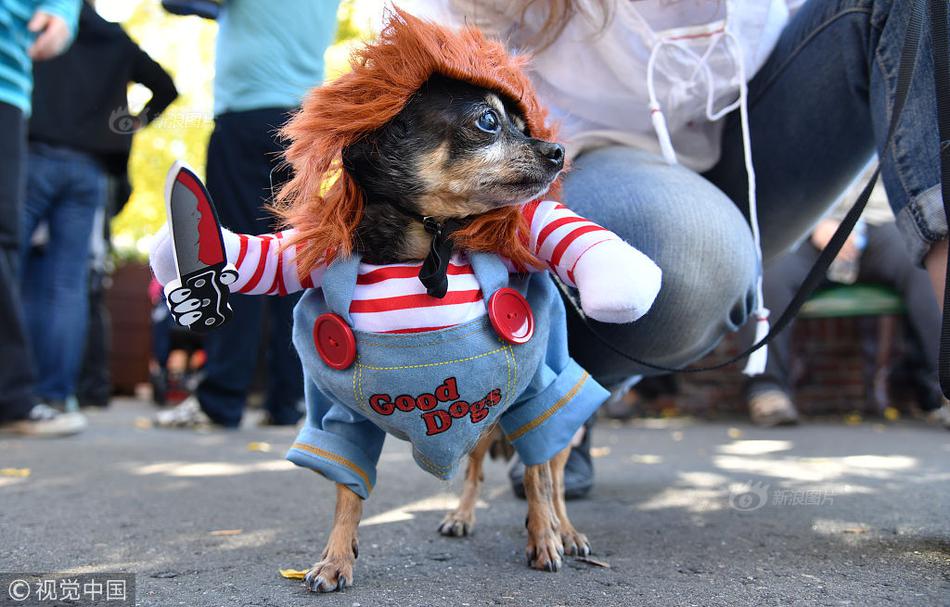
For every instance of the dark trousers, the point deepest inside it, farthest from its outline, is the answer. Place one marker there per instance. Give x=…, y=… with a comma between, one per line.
x=16, y=373
x=243, y=165
x=885, y=261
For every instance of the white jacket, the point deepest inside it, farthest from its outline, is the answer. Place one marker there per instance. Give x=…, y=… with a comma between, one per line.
x=597, y=84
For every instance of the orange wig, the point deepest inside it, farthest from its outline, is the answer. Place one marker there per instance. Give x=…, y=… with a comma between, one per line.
x=384, y=76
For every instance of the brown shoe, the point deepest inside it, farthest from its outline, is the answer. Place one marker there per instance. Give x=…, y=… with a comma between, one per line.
x=772, y=408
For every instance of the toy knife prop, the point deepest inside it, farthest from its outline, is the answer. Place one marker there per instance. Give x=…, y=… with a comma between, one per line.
x=198, y=298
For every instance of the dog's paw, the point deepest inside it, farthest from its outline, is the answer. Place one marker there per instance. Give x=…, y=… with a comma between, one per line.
x=544, y=551
x=575, y=543
x=332, y=574
x=457, y=524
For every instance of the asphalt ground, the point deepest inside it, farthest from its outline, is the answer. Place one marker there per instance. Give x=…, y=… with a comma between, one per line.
x=684, y=512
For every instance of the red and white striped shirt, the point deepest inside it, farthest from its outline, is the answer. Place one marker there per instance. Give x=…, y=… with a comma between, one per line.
x=390, y=298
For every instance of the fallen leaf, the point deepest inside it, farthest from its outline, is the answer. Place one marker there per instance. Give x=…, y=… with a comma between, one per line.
x=293, y=574
x=879, y=427
x=855, y=530
x=592, y=561
x=891, y=414
x=734, y=433
x=853, y=419
x=677, y=436
x=260, y=447
x=669, y=412
x=143, y=423
x=221, y=532
x=17, y=472
x=600, y=451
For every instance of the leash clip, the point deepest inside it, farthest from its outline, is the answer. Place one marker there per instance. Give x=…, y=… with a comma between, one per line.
x=432, y=225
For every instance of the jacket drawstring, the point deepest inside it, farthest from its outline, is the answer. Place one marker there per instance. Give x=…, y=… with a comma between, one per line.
x=758, y=359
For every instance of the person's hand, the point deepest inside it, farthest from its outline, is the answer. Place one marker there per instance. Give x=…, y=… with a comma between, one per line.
x=53, y=35
x=822, y=234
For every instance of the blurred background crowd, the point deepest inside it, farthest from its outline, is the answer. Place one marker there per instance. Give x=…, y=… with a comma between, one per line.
x=146, y=83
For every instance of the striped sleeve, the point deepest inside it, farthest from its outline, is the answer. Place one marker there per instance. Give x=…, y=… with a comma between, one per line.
x=559, y=237
x=265, y=266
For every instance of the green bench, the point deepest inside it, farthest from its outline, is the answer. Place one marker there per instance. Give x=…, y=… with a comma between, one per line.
x=841, y=301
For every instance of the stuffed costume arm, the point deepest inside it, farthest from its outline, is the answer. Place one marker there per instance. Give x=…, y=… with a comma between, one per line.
x=263, y=268
x=617, y=283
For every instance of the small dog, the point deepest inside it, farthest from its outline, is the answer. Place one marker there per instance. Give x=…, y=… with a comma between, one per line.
x=456, y=150
x=435, y=148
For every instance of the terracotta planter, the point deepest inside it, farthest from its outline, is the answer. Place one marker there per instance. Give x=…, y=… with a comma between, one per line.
x=130, y=309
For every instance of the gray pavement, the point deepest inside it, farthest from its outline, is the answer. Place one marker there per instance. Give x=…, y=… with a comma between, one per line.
x=684, y=512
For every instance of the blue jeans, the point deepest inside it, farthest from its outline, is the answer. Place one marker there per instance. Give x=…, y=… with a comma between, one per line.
x=819, y=109
x=65, y=188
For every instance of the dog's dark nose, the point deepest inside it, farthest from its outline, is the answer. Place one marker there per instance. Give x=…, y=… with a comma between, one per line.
x=553, y=152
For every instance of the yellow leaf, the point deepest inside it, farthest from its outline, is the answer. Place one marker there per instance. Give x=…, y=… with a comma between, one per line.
x=891, y=414
x=260, y=447
x=600, y=451
x=221, y=532
x=17, y=472
x=293, y=574
x=853, y=419
x=734, y=433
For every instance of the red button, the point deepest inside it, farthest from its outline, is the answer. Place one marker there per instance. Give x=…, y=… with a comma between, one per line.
x=510, y=315
x=334, y=340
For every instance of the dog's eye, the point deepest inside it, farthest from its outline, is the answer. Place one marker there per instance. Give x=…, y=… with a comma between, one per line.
x=488, y=122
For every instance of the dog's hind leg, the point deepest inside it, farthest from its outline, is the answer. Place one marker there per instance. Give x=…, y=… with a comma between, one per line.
x=335, y=569
x=544, y=549
x=575, y=543
x=461, y=521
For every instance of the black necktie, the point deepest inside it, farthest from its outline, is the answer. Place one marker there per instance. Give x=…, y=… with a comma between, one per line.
x=436, y=264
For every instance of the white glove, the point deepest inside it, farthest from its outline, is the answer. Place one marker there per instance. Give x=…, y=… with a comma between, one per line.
x=162, y=258
x=617, y=283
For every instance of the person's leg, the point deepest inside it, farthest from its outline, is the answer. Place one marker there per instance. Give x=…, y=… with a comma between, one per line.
x=816, y=121
x=780, y=281
x=284, y=372
x=60, y=302
x=885, y=260
x=700, y=241
x=16, y=372
x=241, y=155
x=232, y=353
x=692, y=231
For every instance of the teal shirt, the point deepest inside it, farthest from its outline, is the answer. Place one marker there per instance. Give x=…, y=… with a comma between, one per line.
x=16, y=68
x=269, y=54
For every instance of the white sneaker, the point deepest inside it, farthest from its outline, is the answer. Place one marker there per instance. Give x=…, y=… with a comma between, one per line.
x=46, y=422
x=186, y=414
x=940, y=416
x=772, y=408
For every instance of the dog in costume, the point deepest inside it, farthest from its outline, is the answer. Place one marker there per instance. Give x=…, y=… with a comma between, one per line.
x=423, y=222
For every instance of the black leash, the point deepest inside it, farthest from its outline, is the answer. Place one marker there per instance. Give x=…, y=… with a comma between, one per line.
x=819, y=271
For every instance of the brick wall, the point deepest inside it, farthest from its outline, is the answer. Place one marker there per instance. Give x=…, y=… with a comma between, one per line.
x=832, y=365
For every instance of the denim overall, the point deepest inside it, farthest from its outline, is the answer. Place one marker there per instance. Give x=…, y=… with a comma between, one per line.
x=441, y=389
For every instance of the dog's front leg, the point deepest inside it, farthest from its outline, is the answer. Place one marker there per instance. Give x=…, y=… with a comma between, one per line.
x=461, y=521
x=335, y=569
x=544, y=549
x=575, y=543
